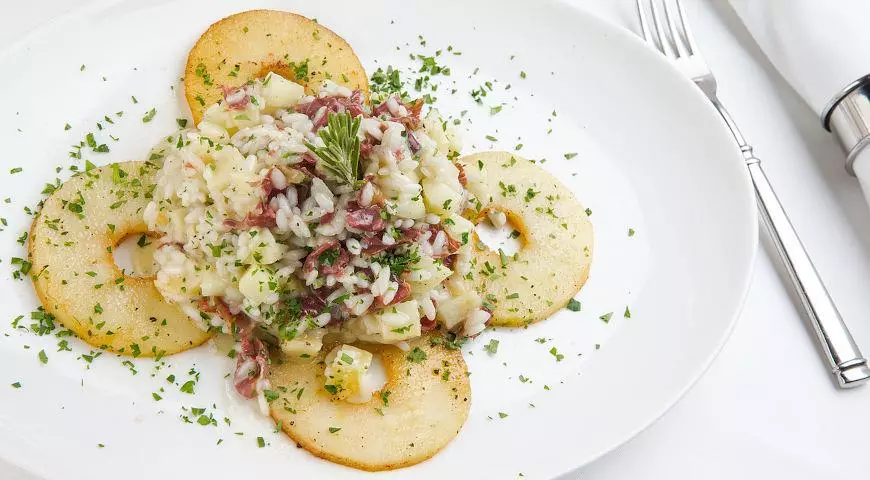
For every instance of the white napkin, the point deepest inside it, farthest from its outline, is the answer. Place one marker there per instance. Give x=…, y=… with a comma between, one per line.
x=819, y=46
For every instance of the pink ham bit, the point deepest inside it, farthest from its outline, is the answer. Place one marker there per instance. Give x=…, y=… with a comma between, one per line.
x=383, y=109
x=327, y=217
x=375, y=245
x=267, y=185
x=338, y=265
x=315, y=303
x=217, y=306
x=252, y=363
x=411, y=121
x=366, y=219
x=402, y=293
x=352, y=105
x=308, y=166
x=312, y=305
x=366, y=146
x=427, y=325
x=414, y=234
x=309, y=160
x=262, y=216
x=236, y=98
x=413, y=144
x=312, y=261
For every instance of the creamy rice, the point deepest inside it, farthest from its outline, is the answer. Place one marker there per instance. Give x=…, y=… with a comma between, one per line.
x=253, y=225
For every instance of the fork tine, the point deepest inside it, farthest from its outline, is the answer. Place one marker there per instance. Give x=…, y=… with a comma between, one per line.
x=664, y=43
x=670, y=16
x=644, y=24
x=693, y=46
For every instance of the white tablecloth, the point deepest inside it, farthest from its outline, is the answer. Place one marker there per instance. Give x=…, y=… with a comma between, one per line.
x=767, y=407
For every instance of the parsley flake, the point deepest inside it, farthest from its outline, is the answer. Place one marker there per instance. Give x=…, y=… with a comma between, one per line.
x=573, y=305
x=417, y=355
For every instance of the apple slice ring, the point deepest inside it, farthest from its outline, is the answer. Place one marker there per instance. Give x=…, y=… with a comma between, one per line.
x=248, y=45
x=419, y=410
x=74, y=271
x=557, y=239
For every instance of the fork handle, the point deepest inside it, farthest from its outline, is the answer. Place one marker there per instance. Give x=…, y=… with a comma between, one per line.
x=844, y=357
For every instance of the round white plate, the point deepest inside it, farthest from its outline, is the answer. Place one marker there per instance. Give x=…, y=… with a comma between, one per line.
x=652, y=156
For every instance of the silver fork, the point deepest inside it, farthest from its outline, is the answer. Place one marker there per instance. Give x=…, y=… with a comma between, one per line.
x=669, y=33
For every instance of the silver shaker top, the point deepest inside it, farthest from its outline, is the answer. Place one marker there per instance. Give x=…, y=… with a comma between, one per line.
x=847, y=116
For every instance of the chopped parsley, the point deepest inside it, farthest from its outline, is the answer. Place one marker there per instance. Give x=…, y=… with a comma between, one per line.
x=606, y=317
x=491, y=347
x=573, y=305
x=569, y=156
x=627, y=313
x=188, y=386
x=399, y=263
x=400, y=330
x=149, y=115
x=270, y=395
x=417, y=355
x=328, y=257
x=555, y=352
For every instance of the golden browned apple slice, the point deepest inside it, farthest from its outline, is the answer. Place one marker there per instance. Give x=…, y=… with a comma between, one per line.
x=248, y=45
x=75, y=275
x=556, y=235
x=419, y=410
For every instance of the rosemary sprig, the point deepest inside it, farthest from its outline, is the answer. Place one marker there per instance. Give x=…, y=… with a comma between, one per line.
x=340, y=156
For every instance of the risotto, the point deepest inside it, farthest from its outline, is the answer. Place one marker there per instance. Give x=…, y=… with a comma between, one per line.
x=286, y=216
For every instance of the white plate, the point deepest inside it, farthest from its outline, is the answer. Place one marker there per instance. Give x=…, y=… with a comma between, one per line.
x=652, y=156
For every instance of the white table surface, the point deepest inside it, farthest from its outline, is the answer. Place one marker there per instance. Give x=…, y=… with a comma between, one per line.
x=766, y=408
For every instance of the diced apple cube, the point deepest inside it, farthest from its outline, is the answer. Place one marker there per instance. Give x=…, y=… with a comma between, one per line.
x=440, y=198
x=280, y=92
x=305, y=346
x=259, y=285
x=427, y=274
x=455, y=309
x=345, y=367
x=400, y=321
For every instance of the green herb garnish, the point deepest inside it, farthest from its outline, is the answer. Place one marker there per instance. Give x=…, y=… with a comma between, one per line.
x=340, y=156
x=417, y=355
